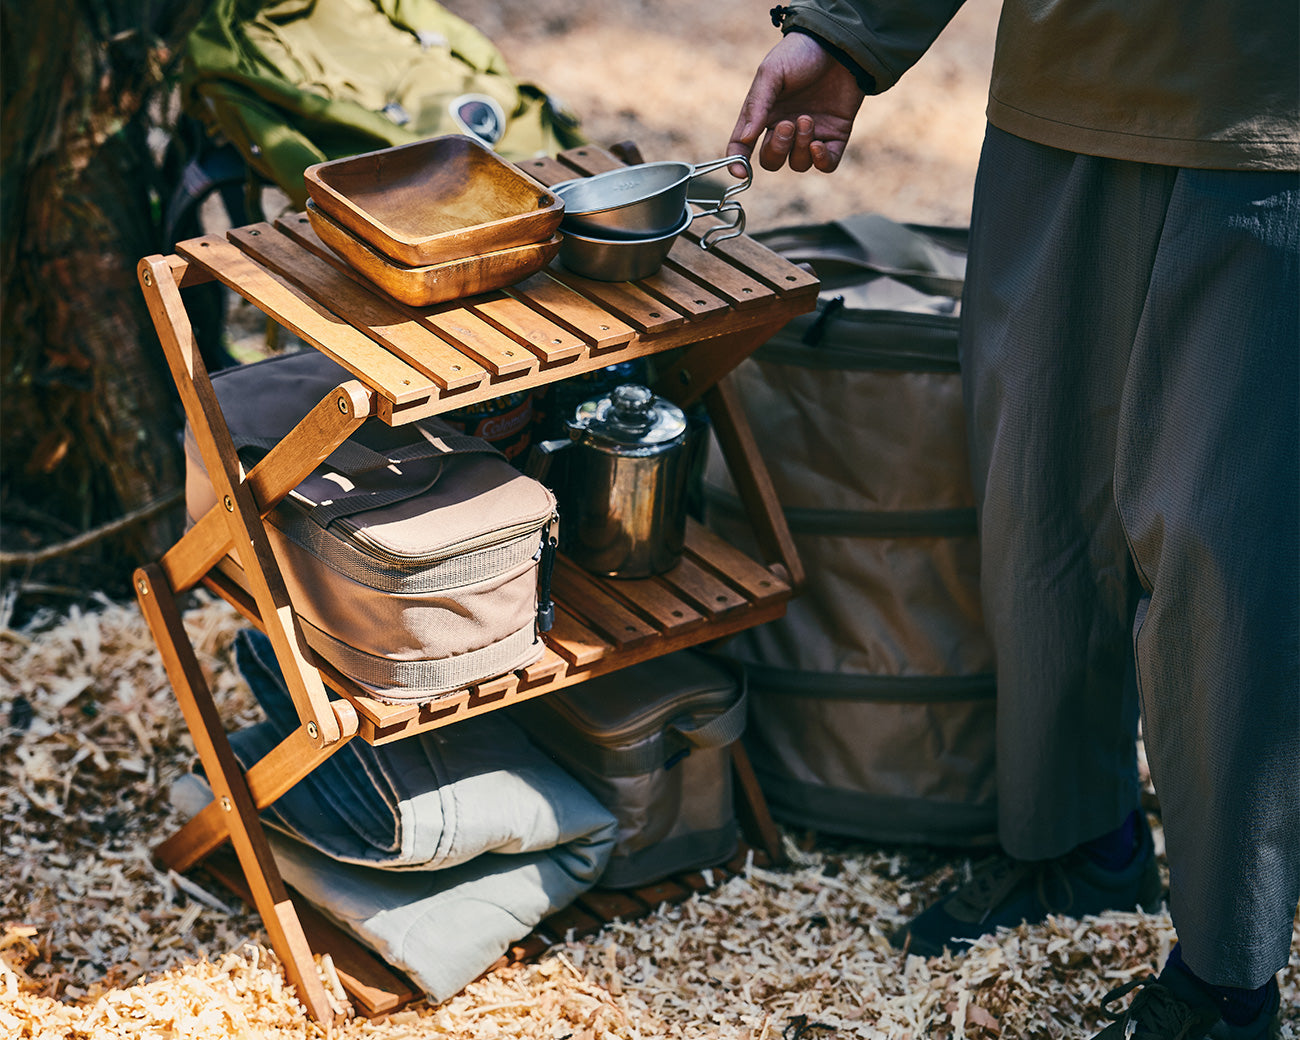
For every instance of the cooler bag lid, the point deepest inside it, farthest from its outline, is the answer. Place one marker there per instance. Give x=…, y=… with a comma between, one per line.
x=632, y=721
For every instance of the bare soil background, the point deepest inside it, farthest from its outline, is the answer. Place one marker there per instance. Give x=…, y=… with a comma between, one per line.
x=671, y=75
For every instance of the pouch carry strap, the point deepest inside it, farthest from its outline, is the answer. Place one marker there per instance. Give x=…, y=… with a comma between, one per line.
x=353, y=461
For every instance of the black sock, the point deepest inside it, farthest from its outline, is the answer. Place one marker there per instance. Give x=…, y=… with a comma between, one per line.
x=1115, y=849
x=1238, y=1006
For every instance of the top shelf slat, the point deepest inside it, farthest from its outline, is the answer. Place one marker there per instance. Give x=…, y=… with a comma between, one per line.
x=374, y=365
x=424, y=361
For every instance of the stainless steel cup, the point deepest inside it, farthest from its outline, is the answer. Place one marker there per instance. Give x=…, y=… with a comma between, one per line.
x=644, y=201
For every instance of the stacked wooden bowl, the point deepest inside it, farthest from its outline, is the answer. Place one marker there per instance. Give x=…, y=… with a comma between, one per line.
x=435, y=220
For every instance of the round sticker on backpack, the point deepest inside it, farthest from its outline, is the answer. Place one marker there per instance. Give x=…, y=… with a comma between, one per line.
x=479, y=116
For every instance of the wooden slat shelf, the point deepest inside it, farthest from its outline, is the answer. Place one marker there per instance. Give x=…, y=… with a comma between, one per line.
x=601, y=625
x=705, y=310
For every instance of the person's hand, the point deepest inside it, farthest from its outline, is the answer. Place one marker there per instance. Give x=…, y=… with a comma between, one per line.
x=806, y=102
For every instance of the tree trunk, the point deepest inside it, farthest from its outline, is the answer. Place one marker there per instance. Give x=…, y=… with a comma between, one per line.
x=90, y=422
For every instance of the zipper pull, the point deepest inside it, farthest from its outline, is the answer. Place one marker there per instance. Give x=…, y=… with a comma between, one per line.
x=812, y=337
x=546, y=553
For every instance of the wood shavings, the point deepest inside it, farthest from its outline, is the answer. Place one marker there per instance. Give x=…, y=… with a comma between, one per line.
x=197, y=891
x=95, y=941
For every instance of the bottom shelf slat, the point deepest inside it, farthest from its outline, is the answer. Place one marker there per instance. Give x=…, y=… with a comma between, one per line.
x=713, y=592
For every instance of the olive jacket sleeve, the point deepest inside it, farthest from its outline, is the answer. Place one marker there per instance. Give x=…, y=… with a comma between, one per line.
x=882, y=38
x=1215, y=88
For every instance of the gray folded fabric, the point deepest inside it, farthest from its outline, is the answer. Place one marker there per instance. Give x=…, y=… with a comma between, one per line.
x=438, y=851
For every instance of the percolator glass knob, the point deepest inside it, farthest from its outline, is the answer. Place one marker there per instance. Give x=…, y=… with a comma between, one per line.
x=631, y=403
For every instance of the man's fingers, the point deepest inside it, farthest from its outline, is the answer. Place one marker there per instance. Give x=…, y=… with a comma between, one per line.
x=746, y=130
x=776, y=145
x=752, y=119
x=800, y=157
x=741, y=143
x=755, y=110
x=798, y=88
x=826, y=155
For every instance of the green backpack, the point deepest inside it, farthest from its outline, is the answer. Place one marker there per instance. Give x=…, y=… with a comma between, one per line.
x=295, y=82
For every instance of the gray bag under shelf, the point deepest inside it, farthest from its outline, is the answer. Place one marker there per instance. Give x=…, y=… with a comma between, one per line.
x=872, y=699
x=653, y=743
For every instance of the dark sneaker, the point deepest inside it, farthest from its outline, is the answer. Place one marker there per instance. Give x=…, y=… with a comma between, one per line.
x=1005, y=892
x=1165, y=1010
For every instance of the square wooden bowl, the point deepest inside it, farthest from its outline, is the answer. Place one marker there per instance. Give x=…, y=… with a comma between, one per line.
x=442, y=199
x=428, y=284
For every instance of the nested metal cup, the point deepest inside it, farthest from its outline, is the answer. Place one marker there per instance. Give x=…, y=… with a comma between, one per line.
x=619, y=259
x=640, y=201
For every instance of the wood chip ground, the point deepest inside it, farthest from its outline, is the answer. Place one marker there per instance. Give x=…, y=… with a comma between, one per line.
x=97, y=942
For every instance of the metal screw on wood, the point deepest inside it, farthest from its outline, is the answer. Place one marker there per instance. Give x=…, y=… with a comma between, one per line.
x=225, y=804
x=148, y=278
x=229, y=504
x=312, y=731
x=343, y=405
x=143, y=586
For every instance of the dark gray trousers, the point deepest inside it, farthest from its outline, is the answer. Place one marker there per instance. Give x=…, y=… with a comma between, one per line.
x=1129, y=352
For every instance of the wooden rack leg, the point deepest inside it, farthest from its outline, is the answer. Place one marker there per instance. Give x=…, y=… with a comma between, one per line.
x=745, y=463
x=701, y=366
x=755, y=818
x=245, y=530
x=291, y=760
x=230, y=790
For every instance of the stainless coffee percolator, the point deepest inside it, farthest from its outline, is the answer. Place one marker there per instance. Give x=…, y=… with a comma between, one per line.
x=623, y=496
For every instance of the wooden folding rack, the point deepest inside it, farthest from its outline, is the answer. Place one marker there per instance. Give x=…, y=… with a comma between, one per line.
x=710, y=309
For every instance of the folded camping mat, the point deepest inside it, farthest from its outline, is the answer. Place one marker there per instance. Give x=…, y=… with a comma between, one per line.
x=437, y=851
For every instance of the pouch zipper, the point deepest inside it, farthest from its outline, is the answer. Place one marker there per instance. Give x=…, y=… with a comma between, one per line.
x=545, y=565
x=380, y=552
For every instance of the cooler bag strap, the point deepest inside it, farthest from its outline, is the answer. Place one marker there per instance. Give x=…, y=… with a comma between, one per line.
x=722, y=729
x=884, y=247
x=353, y=459
x=659, y=752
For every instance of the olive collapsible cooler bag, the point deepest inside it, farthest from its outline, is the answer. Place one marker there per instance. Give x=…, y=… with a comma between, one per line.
x=412, y=555
x=872, y=699
x=653, y=743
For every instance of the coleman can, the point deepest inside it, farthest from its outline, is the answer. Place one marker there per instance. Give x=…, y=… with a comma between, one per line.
x=504, y=422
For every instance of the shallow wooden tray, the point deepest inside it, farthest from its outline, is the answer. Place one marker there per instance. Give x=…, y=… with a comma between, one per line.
x=434, y=283
x=436, y=200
